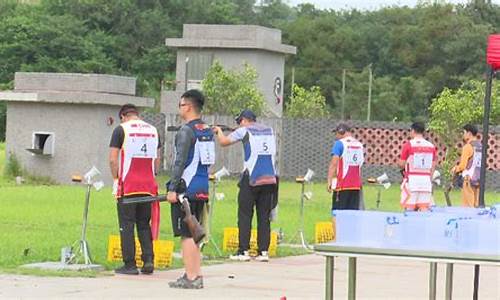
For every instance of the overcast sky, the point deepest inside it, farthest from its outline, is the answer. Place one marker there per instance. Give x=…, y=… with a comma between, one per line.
x=364, y=4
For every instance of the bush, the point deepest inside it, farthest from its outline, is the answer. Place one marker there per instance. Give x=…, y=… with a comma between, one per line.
x=228, y=92
x=13, y=167
x=306, y=103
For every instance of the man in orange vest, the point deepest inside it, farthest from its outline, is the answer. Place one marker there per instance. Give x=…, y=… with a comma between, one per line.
x=134, y=157
x=418, y=160
x=470, y=166
x=344, y=172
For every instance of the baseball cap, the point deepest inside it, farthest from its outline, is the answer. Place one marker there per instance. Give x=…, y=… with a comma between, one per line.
x=342, y=128
x=247, y=114
x=128, y=108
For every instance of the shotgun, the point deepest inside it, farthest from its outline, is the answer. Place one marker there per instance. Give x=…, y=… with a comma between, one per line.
x=197, y=231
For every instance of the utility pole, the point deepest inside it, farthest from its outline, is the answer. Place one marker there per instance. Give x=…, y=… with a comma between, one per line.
x=369, y=111
x=342, y=115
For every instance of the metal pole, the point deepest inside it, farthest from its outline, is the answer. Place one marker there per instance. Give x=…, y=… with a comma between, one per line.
x=342, y=110
x=449, y=282
x=86, y=212
x=486, y=123
x=484, y=154
x=211, y=207
x=293, y=82
x=210, y=217
x=351, y=291
x=432, y=281
x=379, y=194
x=475, y=294
x=368, y=114
x=186, y=74
x=330, y=267
x=302, y=235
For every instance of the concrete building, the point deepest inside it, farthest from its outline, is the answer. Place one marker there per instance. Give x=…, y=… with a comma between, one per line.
x=232, y=45
x=59, y=125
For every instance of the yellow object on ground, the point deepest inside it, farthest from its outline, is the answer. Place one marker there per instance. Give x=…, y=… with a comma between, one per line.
x=163, y=251
x=231, y=242
x=324, y=232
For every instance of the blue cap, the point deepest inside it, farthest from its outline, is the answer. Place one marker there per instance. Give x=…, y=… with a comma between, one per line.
x=247, y=114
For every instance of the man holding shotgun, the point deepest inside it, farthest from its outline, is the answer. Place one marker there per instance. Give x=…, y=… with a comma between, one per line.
x=194, y=153
x=258, y=183
x=134, y=159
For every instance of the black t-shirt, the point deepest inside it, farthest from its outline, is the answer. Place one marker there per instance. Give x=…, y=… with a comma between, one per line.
x=118, y=137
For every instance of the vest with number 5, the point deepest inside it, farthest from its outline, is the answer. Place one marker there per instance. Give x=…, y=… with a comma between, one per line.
x=201, y=156
x=137, y=159
x=349, y=166
x=260, y=153
x=419, y=165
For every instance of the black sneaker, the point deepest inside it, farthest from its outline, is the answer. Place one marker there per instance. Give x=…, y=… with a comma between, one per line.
x=127, y=270
x=184, y=283
x=147, y=268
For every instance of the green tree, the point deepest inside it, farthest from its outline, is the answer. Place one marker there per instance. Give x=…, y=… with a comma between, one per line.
x=451, y=110
x=34, y=41
x=228, y=91
x=306, y=103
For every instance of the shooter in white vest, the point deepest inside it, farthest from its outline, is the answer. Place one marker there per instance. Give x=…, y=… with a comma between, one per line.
x=258, y=183
x=418, y=161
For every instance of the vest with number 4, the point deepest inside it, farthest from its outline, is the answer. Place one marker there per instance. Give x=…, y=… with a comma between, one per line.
x=473, y=168
x=349, y=166
x=137, y=159
x=260, y=155
x=419, y=165
x=201, y=156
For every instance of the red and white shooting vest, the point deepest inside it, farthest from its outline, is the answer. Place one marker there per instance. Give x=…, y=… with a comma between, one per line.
x=349, y=166
x=137, y=159
x=419, y=165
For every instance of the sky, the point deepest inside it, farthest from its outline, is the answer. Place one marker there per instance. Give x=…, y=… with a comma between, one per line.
x=364, y=4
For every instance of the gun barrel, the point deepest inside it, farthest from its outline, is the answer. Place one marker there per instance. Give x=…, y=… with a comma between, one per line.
x=145, y=199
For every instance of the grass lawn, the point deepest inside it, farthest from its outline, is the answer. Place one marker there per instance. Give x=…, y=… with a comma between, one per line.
x=37, y=221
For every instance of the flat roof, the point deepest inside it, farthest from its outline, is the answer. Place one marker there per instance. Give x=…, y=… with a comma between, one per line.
x=231, y=37
x=74, y=82
x=75, y=98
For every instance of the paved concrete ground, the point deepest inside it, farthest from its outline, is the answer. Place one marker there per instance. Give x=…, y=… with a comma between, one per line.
x=300, y=277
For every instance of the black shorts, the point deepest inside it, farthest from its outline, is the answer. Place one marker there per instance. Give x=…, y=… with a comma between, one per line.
x=179, y=227
x=348, y=199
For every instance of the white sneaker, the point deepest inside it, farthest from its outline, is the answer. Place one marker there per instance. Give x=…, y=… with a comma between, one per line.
x=240, y=256
x=263, y=256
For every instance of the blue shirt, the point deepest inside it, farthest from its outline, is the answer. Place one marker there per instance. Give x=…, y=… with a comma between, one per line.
x=337, y=149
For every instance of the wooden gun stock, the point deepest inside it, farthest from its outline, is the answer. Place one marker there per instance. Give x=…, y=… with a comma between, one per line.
x=197, y=231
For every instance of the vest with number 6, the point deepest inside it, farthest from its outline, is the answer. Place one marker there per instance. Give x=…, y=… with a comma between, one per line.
x=419, y=165
x=137, y=159
x=260, y=153
x=349, y=165
x=201, y=156
x=473, y=168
